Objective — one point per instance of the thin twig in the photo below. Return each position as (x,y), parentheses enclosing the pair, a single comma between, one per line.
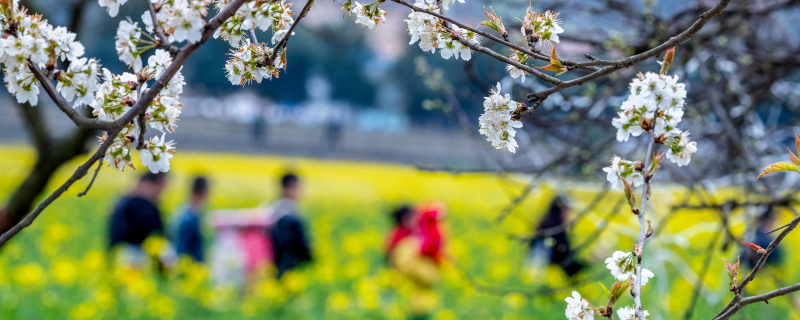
(282,44)
(96,171)
(537,97)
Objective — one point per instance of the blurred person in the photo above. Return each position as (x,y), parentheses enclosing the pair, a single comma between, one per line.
(290,245)
(765,223)
(403,227)
(189,238)
(550,244)
(419,256)
(136,216)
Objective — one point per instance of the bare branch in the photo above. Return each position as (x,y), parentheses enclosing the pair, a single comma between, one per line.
(77,175)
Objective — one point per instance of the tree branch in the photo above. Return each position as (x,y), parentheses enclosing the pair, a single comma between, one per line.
(62,103)
(116,126)
(615,65)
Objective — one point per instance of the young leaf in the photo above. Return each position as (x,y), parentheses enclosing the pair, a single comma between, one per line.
(755,247)
(555,65)
(668,57)
(795,161)
(776,167)
(796,142)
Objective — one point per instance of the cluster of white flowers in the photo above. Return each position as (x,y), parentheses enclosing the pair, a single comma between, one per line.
(29,38)
(263,15)
(431,34)
(541,28)
(623,170)
(680,148)
(623,267)
(368,15)
(181,20)
(628,313)
(515,72)
(156,154)
(79,82)
(164,110)
(659,97)
(117,95)
(496,122)
(578,308)
(250,62)
(127,40)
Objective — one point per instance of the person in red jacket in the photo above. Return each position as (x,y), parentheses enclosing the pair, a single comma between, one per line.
(428,217)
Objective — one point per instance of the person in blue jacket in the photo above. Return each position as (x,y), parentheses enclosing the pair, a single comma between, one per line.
(189,238)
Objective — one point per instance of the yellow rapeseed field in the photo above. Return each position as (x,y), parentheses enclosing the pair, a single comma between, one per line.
(59,268)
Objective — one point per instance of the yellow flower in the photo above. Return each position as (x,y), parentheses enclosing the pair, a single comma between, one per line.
(515,300)
(445,314)
(64,271)
(83,311)
(293,282)
(93,261)
(338,301)
(30,276)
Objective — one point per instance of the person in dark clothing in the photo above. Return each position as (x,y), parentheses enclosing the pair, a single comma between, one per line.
(136,215)
(290,244)
(189,239)
(551,240)
(766,223)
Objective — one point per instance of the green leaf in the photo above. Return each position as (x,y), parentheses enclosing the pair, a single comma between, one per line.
(604,288)
(776,167)
(490,25)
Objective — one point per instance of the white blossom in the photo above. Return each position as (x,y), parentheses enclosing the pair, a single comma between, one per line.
(541,28)
(264,15)
(79,81)
(623,267)
(156,154)
(22,83)
(127,39)
(447,3)
(578,308)
(649,93)
(496,122)
(249,62)
(367,16)
(680,148)
(623,169)
(424,27)
(450,47)
(112,6)
(628,313)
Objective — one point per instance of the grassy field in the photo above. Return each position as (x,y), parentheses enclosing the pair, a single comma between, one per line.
(58,268)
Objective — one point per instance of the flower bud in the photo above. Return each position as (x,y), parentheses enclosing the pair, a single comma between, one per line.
(668,57)
(616,291)
(733,272)
(649,230)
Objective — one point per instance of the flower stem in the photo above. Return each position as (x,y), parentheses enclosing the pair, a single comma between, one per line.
(642,230)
